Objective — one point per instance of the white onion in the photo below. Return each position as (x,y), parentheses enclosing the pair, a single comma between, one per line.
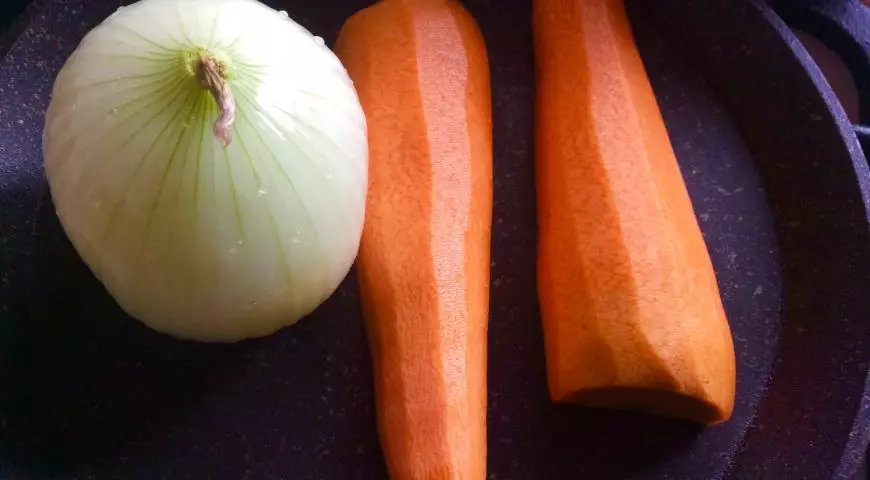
(194,239)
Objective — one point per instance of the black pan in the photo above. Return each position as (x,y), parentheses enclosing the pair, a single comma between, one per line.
(779,184)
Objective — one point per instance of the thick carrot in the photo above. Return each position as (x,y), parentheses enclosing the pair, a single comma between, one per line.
(421,71)
(631,310)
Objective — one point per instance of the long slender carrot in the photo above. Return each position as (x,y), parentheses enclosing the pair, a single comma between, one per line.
(421,71)
(630,306)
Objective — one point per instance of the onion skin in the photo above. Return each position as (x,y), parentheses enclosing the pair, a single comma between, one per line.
(201,237)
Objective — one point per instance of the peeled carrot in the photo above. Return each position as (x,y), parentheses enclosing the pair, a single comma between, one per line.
(630,307)
(420,69)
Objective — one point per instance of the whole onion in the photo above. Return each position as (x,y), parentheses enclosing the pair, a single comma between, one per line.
(208,160)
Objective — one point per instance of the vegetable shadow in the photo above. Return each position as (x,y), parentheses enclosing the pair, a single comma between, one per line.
(82,383)
(602,443)
(88,392)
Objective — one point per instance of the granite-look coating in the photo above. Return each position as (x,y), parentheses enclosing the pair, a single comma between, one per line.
(844,27)
(86,392)
(818,190)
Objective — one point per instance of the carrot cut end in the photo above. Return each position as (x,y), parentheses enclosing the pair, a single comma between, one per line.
(651,401)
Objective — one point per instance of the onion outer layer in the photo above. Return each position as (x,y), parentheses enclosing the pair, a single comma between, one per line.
(191,238)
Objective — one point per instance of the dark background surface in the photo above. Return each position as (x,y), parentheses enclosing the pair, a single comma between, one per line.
(10,10)
(106,398)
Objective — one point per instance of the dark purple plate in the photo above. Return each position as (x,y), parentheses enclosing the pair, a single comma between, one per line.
(780,186)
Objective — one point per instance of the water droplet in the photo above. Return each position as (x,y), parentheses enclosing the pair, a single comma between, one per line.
(283,13)
(261,192)
(295,238)
(20,121)
(329,174)
(319,41)
(240,242)
(113,111)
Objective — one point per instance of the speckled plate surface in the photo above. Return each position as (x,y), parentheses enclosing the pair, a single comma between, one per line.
(779,184)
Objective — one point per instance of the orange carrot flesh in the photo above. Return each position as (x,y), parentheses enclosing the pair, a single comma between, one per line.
(630,307)
(421,72)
